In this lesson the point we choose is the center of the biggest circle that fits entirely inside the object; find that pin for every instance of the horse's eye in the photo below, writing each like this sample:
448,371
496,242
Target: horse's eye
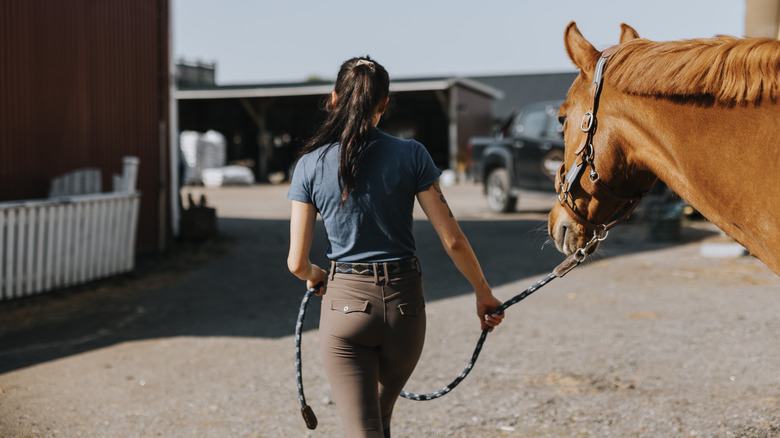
561,120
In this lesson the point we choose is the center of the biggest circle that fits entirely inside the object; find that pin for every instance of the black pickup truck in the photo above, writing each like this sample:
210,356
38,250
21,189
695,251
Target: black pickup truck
524,154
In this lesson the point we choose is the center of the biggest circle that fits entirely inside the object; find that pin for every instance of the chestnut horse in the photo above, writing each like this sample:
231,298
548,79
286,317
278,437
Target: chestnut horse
702,115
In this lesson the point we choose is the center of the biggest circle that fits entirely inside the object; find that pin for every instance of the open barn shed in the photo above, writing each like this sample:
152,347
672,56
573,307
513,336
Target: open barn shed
265,124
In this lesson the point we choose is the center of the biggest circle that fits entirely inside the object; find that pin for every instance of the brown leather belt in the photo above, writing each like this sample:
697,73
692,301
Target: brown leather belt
393,268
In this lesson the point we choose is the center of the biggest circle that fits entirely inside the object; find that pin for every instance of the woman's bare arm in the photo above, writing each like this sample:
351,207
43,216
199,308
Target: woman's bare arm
458,248
302,220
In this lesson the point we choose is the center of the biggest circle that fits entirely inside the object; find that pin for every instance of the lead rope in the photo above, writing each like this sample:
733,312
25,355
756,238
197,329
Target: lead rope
567,265
306,411
478,348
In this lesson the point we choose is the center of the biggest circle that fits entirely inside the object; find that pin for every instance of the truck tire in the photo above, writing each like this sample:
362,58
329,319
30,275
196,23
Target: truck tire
498,192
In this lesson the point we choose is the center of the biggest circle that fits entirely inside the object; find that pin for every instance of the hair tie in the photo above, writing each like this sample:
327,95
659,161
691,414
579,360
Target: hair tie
370,64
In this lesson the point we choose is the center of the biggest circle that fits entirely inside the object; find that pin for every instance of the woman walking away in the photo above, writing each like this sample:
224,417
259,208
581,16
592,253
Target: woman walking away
363,183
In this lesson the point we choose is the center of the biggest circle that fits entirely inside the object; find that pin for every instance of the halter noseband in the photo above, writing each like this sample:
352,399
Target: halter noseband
584,157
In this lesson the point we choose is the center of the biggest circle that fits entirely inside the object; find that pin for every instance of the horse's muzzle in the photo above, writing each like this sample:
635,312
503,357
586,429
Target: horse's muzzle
569,235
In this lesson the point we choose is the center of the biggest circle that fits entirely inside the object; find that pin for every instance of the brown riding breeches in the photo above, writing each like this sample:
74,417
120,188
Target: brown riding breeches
372,330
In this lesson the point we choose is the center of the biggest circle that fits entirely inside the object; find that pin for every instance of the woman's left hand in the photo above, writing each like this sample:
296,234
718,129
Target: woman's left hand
485,307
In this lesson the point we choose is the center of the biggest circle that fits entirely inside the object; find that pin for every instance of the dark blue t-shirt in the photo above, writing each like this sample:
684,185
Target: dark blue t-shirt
375,223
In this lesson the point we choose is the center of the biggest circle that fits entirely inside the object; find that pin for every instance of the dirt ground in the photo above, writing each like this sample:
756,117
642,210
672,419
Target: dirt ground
648,339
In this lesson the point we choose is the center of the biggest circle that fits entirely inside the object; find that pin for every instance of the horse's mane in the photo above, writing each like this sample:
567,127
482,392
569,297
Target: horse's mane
723,70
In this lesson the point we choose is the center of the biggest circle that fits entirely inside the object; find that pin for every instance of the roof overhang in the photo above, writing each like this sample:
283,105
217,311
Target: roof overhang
445,84
253,91
401,86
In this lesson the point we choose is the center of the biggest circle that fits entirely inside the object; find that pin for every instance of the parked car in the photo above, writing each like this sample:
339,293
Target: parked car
523,155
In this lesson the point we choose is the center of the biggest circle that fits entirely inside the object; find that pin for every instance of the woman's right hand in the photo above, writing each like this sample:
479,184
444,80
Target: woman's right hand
320,275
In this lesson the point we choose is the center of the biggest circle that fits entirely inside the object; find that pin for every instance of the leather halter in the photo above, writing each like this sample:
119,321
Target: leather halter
585,153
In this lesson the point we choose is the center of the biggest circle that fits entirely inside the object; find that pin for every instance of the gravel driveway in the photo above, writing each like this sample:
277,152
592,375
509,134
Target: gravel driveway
648,340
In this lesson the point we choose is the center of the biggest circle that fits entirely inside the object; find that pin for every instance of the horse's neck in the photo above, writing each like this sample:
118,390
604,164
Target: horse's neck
724,163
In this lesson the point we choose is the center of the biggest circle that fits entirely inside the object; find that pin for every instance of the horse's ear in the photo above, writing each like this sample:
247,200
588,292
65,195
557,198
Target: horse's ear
580,51
627,33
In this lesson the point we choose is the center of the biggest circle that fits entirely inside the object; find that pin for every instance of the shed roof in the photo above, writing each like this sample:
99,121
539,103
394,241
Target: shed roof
325,87
522,89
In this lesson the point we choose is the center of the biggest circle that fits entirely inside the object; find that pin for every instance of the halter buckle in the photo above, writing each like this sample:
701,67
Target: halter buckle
589,116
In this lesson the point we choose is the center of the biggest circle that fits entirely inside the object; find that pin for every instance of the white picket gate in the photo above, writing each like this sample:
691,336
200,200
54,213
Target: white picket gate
58,242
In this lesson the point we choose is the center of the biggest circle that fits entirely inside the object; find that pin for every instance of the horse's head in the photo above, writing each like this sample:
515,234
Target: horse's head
598,185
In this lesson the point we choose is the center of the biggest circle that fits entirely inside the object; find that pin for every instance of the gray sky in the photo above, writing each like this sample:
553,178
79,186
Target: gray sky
260,41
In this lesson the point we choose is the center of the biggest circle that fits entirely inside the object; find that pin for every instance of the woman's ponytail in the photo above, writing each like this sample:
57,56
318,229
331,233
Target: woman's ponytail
362,84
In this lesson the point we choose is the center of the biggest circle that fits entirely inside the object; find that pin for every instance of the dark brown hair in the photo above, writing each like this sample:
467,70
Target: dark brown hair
361,85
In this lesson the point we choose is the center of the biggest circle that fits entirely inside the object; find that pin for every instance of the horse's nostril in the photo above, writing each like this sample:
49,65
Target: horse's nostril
560,242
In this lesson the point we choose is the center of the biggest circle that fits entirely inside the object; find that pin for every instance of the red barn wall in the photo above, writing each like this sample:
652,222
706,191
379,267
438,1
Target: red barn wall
82,84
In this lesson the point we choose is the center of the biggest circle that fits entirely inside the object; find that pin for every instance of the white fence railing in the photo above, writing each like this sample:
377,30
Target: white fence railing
65,240
61,242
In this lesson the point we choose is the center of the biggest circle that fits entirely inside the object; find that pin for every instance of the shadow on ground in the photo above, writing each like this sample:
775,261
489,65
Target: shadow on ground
237,285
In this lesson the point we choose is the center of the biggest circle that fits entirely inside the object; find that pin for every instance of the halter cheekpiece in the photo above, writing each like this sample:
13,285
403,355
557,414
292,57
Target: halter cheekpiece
585,154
